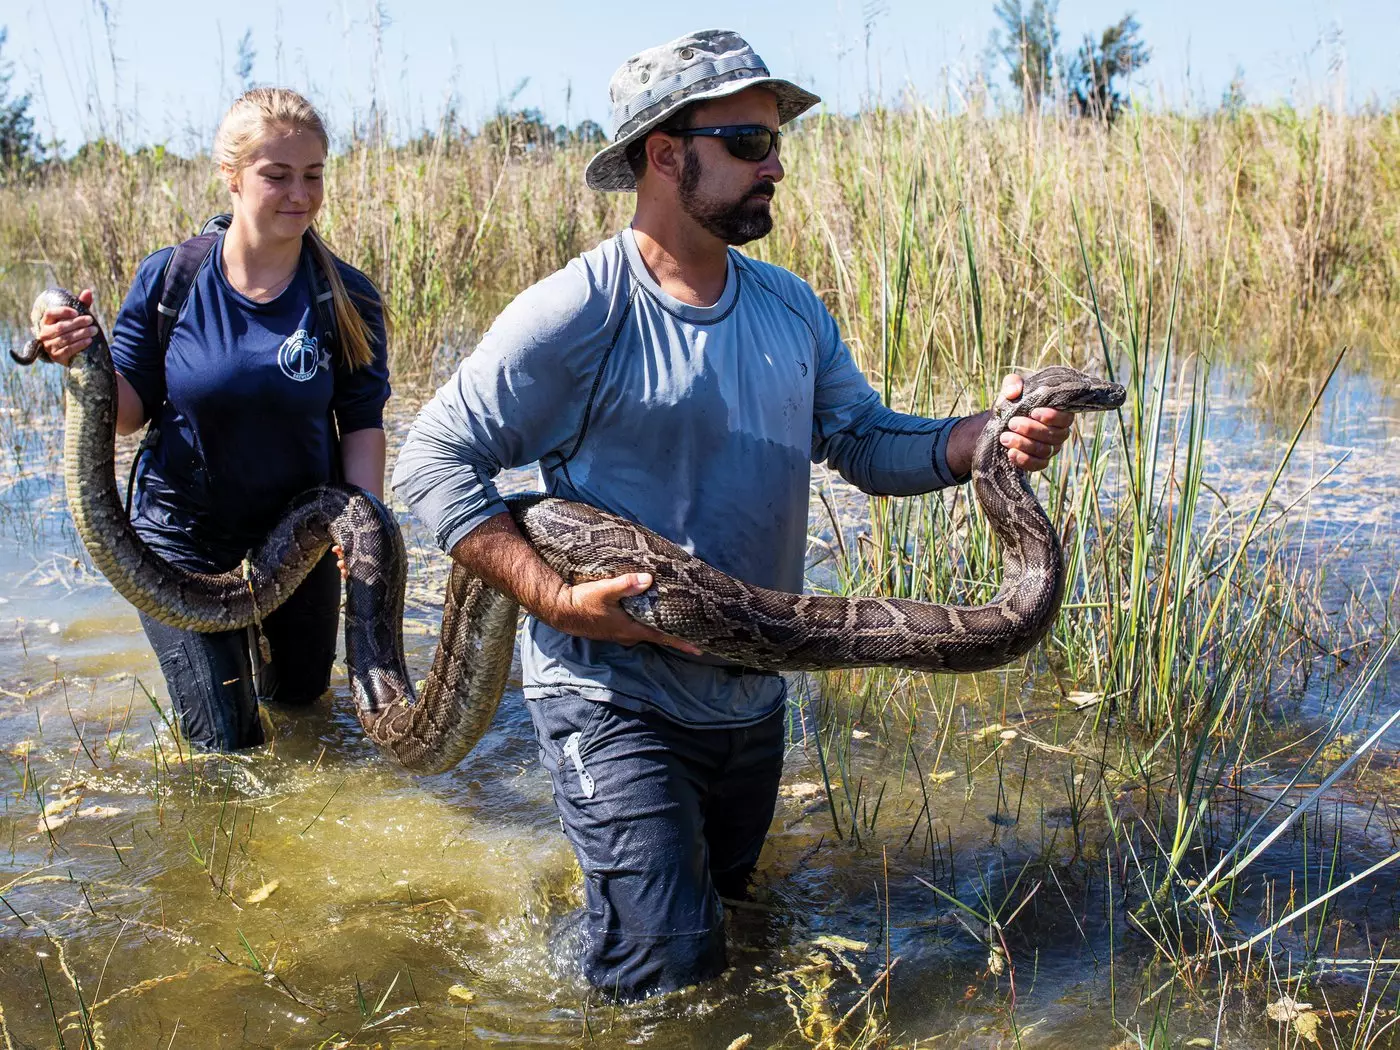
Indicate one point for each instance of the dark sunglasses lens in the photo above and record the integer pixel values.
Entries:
(752, 144)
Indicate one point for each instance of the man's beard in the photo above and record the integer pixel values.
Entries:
(735, 222)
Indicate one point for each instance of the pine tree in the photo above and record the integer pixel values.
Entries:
(1099, 65)
(1029, 46)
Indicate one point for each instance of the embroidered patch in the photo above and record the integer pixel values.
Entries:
(300, 357)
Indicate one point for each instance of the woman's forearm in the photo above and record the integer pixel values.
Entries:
(131, 413)
(362, 457)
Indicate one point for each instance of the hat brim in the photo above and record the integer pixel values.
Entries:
(609, 170)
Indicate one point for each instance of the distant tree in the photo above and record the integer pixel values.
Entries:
(1028, 46)
(590, 132)
(20, 149)
(519, 130)
(1100, 65)
(243, 68)
(1233, 101)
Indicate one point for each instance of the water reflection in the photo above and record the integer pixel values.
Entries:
(309, 894)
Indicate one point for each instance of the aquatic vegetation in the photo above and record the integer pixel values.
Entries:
(1171, 825)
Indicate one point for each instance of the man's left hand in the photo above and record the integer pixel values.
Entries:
(1032, 441)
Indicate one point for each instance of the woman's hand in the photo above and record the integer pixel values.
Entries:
(65, 333)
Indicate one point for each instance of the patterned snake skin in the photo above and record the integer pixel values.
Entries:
(750, 625)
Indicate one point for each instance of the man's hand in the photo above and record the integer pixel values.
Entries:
(497, 552)
(1032, 441)
(594, 610)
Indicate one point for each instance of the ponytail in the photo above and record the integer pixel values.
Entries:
(355, 351)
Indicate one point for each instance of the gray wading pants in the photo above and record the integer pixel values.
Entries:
(665, 819)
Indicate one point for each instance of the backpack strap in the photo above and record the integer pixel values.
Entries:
(323, 299)
(177, 280)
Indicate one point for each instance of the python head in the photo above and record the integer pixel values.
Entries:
(1067, 389)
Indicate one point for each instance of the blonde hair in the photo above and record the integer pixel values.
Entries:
(251, 118)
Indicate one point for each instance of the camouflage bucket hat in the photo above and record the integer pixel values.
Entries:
(653, 84)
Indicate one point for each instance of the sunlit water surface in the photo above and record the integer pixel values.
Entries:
(309, 893)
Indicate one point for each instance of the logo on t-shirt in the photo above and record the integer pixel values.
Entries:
(300, 356)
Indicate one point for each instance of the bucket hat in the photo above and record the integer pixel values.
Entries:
(653, 84)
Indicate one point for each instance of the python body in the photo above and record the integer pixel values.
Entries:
(753, 626)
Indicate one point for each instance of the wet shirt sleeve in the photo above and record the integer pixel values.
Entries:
(880, 451)
(135, 343)
(515, 400)
(360, 394)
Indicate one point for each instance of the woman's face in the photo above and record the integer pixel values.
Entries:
(279, 192)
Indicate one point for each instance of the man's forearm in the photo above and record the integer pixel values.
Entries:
(962, 442)
(497, 552)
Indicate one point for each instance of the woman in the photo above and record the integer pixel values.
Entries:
(248, 403)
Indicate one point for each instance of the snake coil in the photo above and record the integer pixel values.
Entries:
(756, 627)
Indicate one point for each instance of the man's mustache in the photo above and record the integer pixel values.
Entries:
(763, 189)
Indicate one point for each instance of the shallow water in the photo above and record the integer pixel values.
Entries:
(310, 894)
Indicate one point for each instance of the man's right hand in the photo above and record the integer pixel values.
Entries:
(497, 552)
(594, 610)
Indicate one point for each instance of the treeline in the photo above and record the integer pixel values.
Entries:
(1265, 229)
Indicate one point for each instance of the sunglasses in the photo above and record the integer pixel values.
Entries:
(751, 142)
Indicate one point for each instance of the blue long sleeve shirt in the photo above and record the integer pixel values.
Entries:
(700, 423)
(243, 398)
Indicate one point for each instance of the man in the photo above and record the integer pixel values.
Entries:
(664, 377)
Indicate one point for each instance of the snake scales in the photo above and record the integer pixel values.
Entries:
(755, 627)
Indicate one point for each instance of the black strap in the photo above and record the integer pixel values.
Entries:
(323, 299)
(180, 271)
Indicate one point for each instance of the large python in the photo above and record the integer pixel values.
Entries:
(755, 627)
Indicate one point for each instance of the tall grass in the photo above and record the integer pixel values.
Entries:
(1271, 215)
(951, 249)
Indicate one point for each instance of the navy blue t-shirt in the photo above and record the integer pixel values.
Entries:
(243, 399)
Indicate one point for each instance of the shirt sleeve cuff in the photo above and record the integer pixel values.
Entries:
(941, 471)
(454, 531)
(365, 419)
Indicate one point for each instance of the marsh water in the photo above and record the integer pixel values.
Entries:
(309, 893)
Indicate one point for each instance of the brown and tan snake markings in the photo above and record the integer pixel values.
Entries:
(753, 626)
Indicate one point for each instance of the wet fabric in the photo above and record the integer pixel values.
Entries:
(700, 423)
(210, 676)
(664, 820)
(243, 399)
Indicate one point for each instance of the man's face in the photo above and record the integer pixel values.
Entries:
(730, 197)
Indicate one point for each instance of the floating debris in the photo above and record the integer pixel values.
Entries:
(841, 944)
(51, 824)
(99, 811)
(996, 960)
(1082, 700)
(263, 892)
(462, 992)
(58, 805)
(1290, 1011)
(802, 790)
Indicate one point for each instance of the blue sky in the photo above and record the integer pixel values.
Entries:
(151, 71)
